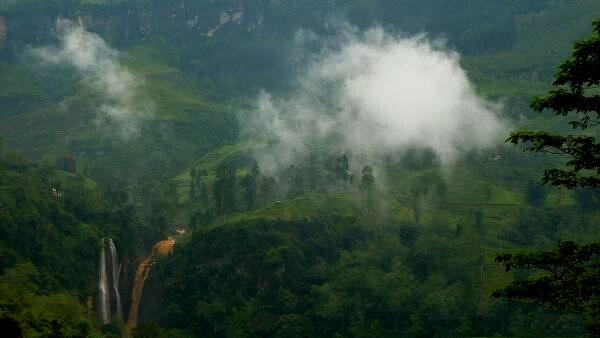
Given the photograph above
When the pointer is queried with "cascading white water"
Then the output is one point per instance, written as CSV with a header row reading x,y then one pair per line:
x,y
115,278
109,298
103,294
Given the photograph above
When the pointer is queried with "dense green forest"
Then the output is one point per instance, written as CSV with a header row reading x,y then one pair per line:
x,y
136,121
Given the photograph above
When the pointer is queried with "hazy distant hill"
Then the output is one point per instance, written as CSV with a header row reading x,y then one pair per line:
x,y
192,54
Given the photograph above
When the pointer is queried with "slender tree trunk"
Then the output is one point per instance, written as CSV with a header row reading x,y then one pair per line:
x,y
223,206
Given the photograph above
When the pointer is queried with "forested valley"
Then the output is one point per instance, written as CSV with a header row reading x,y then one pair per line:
x,y
299,168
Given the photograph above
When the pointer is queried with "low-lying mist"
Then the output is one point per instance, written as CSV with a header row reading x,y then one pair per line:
x,y
122,109
372,93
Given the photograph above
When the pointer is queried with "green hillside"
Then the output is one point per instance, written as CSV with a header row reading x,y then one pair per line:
x,y
184,123
334,243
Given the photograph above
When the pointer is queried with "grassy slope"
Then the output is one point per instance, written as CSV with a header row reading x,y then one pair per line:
x,y
471,188
543,40
185,122
495,189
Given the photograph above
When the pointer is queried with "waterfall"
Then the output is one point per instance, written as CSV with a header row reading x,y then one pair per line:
x,y
162,248
115,279
103,295
109,298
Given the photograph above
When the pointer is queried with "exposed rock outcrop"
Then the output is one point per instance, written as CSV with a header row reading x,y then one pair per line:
x,y
162,248
230,15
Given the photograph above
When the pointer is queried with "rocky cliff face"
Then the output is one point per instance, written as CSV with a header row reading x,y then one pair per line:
x,y
123,24
162,248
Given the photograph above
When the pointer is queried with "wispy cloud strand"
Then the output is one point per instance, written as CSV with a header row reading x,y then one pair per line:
x,y
122,108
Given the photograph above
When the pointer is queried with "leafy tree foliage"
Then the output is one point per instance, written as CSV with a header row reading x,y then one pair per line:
x,y
67,163
367,185
266,189
574,93
147,330
588,199
325,277
342,168
249,182
224,190
535,194
571,273
571,280
51,223
25,310
334,276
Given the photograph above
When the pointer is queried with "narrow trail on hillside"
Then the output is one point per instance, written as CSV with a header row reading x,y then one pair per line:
x,y
162,248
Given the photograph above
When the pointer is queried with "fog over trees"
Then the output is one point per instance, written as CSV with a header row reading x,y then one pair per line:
x,y
262,168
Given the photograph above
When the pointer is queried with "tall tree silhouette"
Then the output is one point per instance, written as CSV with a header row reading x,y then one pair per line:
x,y
571,273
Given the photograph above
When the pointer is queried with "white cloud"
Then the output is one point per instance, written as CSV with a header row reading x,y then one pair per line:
x,y
372,93
122,109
